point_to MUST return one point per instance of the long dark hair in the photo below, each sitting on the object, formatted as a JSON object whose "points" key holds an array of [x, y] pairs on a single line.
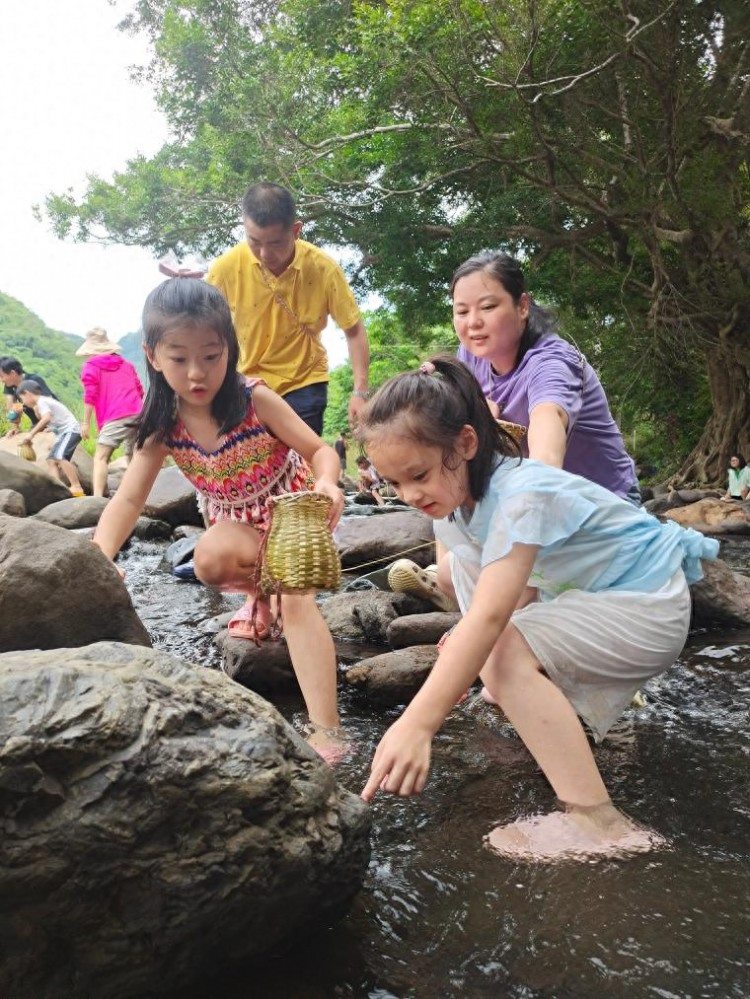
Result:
{"points": [[176, 303], [739, 457], [435, 407], [507, 271]]}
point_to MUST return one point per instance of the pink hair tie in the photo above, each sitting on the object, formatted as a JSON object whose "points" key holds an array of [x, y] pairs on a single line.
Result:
{"points": [[427, 368]]}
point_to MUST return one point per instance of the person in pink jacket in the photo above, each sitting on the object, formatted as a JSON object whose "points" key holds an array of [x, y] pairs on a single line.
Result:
{"points": [[112, 391]]}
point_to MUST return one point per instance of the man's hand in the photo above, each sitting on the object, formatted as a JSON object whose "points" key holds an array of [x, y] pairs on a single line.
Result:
{"points": [[356, 405], [401, 761]]}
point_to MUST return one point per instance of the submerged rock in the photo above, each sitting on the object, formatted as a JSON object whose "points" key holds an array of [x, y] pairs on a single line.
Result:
{"points": [[58, 590], [394, 677], [158, 822]]}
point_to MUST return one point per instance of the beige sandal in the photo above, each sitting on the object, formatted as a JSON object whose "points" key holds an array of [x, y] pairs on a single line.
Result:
{"points": [[405, 576]]}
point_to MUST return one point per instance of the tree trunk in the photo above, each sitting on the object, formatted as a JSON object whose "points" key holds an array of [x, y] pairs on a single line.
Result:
{"points": [[728, 429]]}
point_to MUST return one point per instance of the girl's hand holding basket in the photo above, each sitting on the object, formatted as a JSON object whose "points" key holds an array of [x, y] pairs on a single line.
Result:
{"points": [[328, 488]]}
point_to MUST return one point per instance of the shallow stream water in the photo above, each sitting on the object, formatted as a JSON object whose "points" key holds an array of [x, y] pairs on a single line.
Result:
{"points": [[439, 916]]}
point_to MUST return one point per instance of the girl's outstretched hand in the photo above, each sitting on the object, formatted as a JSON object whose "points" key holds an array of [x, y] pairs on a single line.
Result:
{"points": [[401, 761], [330, 489]]}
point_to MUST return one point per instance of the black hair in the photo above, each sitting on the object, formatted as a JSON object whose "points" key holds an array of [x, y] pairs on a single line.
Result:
{"points": [[269, 204], [29, 385], [739, 458], [507, 271], [435, 408], [181, 302], [8, 364]]}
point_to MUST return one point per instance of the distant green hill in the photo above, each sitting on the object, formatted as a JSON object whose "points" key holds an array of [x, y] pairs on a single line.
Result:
{"points": [[41, 350], [132, 350]]}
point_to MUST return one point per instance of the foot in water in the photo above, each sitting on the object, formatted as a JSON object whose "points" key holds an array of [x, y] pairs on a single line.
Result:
{"points": [[331, 744], [582, 833], [242, 625]]}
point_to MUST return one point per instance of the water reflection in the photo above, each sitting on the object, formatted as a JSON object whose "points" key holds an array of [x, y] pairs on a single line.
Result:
{"points": [[440, 916]]}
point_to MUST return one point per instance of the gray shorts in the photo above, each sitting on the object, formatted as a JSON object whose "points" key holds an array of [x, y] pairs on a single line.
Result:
{"points": [[118, 432], [599, 648]]}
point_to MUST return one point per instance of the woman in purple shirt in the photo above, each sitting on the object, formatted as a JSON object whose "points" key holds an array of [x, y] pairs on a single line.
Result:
{"points": [[534, 377]]}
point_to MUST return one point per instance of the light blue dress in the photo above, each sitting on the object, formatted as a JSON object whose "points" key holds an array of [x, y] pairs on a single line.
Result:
{"points": [[613, 606]]}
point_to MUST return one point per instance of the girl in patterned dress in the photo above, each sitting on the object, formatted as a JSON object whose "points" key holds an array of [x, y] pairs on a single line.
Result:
{"points": [[238, 443]]}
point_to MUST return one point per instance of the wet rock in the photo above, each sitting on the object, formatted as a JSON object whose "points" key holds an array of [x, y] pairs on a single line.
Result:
{"points": [[37, 487], [266, 668], [12, 503], [361, 541], [714, 516], [420, 629], [721, 597], [58, 590], [73, 513], [394, 677], [365, 616], [188, 531], [148, 529], [158, 823], [181, 551], [172, 498], [673, 499]]}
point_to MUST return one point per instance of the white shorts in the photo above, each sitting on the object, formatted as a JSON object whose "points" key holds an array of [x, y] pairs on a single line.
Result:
{"points": [[599, 648]]}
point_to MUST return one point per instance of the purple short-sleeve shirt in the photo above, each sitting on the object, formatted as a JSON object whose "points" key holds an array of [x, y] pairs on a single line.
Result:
{"points": [[552, 371]]}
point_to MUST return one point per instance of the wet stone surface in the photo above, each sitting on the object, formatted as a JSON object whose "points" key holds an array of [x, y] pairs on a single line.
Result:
{"points": [[440, 916]]}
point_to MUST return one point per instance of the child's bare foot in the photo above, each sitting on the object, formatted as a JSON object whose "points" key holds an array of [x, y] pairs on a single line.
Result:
{"points": [[331, 744], [578, 833], [242, 625]]}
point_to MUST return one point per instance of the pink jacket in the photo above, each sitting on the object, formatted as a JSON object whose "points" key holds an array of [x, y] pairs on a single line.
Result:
{"points": [[112, 386]]}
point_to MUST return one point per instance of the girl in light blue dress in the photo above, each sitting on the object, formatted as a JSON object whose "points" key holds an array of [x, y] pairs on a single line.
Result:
{"points": [[571, 599]]}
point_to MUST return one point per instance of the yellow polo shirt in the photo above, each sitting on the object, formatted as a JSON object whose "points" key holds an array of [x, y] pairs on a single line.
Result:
{"points": [[273, 345]]}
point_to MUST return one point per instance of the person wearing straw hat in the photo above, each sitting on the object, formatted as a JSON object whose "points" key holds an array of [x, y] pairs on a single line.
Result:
{"points": [[112, 391]]}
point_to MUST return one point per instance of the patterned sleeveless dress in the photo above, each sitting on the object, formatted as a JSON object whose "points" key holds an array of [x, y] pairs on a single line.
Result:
{"points": [[250, 465]]}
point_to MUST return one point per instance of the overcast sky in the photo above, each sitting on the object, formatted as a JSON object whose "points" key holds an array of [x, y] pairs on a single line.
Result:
{"points": [[67, 108]]}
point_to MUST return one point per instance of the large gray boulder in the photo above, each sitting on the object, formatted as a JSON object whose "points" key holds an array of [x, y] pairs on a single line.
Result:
{"points": [[172, 498], [361, 540], [37, 487], [158, 823], [58, 590]]}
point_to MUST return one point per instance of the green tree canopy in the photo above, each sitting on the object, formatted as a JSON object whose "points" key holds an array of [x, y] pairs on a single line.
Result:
{"points": [[605, 142]]}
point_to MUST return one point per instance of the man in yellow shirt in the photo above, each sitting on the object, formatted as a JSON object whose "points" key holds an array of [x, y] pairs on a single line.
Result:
{"points": [[281, 290]]}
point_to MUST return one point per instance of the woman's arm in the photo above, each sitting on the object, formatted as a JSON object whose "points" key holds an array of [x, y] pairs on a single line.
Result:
{"points": [[401, 761], [123, 510], [279, 417], [547, 437]]}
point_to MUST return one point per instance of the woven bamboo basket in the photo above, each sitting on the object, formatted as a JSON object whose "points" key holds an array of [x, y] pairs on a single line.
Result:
{"points": [[27, 452], [300, 555], [516, 430]]}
